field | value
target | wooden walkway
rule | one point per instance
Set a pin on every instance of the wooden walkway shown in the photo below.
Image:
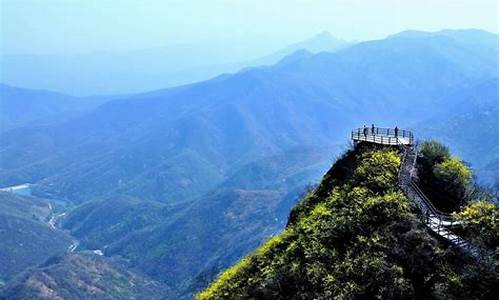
(437, 221)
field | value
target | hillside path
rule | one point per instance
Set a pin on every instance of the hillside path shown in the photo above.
(437, 221)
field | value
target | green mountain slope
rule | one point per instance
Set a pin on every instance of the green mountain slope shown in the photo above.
(100, 224)
(357, 237)
(77, 276)
(173, 244)
(26, 237)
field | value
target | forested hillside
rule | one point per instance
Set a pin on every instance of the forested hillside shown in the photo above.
(357, 236)
(80, 276)
(27, 238)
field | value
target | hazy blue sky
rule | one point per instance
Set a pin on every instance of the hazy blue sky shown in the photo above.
(69, 26)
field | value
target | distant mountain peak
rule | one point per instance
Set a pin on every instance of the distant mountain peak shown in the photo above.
(323, 41)
(325, 36)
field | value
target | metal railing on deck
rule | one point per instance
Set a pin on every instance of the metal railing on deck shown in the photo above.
(381, 135)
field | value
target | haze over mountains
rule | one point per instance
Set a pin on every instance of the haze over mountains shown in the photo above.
(136, 71)
(21, 107)
(179, 183)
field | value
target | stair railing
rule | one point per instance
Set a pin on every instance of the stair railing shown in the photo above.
(431, 216)
(428, 210)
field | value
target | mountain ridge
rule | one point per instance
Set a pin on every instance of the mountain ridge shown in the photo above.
(263, 134)
(109, 73)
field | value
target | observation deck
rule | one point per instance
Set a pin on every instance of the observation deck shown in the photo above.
(383, 136)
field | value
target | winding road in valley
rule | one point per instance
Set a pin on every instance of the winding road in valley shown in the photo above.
(53, 221)
(25, 190)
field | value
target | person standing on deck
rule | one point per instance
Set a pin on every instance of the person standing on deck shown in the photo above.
(396, 131)
(365, 130)
(373, 128)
